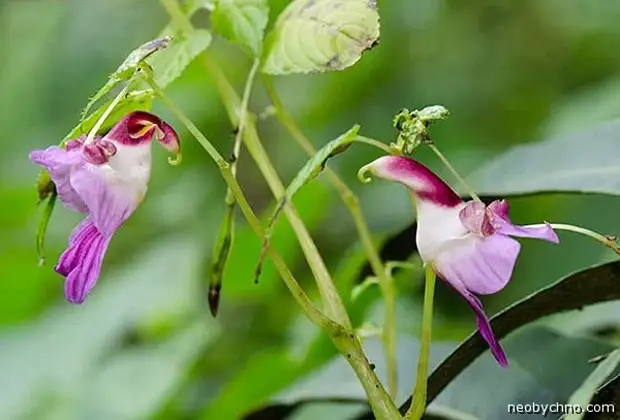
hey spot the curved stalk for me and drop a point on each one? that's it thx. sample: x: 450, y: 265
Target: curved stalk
x: 349, y: 198
x: 332, y: 302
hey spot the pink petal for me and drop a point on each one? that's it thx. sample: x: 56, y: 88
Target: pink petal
x: 545, y: 232
x: 81, y: 262
x: 499, y: 208
x: 475, y: 218
x: 481, y: 265
x: 503, y: 225
x: 59, y: 162
x: 425, y: 184
x: 110, y: 201
x: 452, y: 277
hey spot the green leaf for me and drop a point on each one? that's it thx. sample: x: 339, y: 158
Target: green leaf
x: 310, y: 170
x: 170, y: 64
x: 584, y: 161
x: 582, y: 396
x: 320, y: 35
x: 128, y: 68
x: 242, y: 21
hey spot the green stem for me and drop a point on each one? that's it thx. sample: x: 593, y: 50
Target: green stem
x: 308, y: 307
x: 352, y: 203
x: 343, y: 337
x: 106, y: 114
x: 243, y: 113
x: 382, y: 405
x: 608, y: 241
x: 332, y: 302
x: 391, y: 265
x: 341, y: 333
x: 418, y: 404
x: 446, y: 162
x: 227, y: 228
x: 375, y: 143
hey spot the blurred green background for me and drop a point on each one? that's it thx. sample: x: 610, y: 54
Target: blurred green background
x: 144, y: 345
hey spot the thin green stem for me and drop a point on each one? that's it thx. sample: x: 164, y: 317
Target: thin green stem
x: 226, y: 232
x: 418, y: 404
x: 247, y: 91
x: 106, y: 114
x: 454, y: 172
x: 391, y: 265
x: 332, y: 302
x: 375, y: 143
x: 351, y: 201
x: 204, y: 142
x: 608, y: 241
x: 308, y: 307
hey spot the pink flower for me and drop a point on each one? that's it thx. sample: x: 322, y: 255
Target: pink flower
x: 106, y: 179
x: 467, y: 244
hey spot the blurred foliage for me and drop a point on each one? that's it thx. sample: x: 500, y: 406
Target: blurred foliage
x: 144, y: 344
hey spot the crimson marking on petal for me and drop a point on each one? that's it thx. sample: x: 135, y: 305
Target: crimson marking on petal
x: 424, y: 183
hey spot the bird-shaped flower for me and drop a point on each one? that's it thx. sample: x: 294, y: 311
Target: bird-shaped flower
x: 468, y: 244
x: 106, y: 178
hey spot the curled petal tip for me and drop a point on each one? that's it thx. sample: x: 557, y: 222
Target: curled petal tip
x: 362, y: 173
x: 551, y: 236
x: 175, y: 160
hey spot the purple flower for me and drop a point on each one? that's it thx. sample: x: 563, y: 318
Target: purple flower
x: 467, y: 244
x: 106, y: 179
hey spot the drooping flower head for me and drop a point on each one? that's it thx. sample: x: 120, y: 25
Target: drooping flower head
x: 468, y: 244
x: 106, y: 178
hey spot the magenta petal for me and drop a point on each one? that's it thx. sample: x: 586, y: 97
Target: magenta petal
x: 59, y: 162
x: 453, y: 278
x: 422, y: 181
x: 81, y: 262
x: 500, y: 209
x: 80, y: 230
x: 484, y: 326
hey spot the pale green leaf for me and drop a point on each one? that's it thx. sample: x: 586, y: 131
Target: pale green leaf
x: 170, y: 64
x: 242, y: 21
x: 320, y: 35
x: 584, y: 161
